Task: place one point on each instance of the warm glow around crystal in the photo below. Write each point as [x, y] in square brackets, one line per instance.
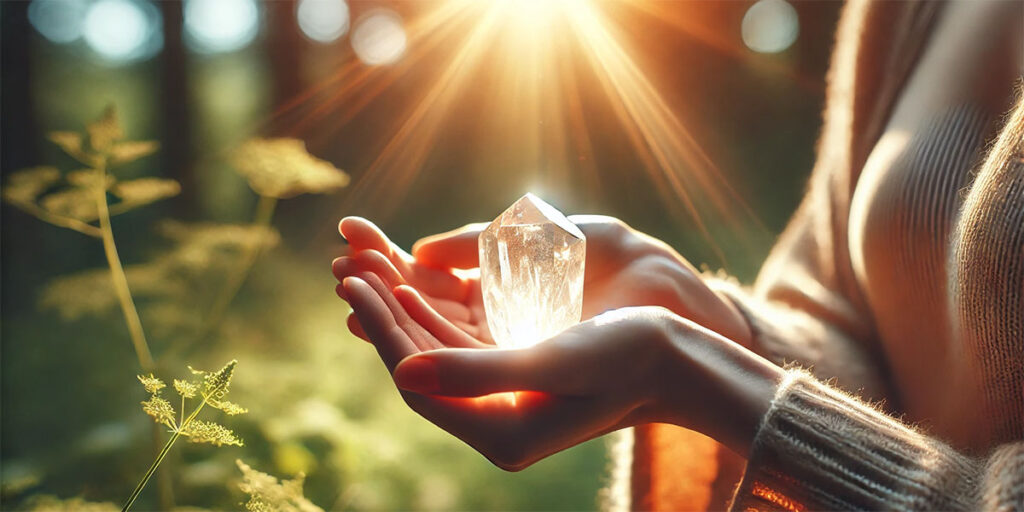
[531, 273]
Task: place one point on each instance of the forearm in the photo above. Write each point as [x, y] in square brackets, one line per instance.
[800, 330]
[716, 386]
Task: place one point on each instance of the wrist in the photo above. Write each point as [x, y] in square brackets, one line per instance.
[715, 386]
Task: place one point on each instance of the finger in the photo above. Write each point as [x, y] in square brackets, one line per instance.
[367, 261]
[476, 372]
[453, 311]
[392, 343]
[375, 262]
[353, 326]
[416, 332]
[471, 330]
[454, 249]
[426, 316]
[362, 234]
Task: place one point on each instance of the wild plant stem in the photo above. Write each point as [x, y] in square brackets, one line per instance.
[59, 220]
[264, 213]
[160, 456]
[120, 281]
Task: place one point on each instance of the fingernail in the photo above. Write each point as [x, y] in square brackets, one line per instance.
[418, 375]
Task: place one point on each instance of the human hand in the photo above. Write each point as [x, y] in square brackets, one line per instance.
[621, 368]
[624, 267]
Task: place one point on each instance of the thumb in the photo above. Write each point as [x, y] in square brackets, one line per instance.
[475, 372]
[454, 249]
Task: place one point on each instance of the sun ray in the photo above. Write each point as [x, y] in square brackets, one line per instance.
[527, 65]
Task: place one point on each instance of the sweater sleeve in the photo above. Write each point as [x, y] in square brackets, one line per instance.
[819, 448]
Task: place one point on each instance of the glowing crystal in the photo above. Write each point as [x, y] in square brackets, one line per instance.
[531, 273]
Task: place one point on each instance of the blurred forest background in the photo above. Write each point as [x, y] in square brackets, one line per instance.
[362, 83]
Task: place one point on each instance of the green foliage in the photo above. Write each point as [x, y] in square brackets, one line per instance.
[212, 387]
[267, 494]
[25, 186]
[171, 285]
[46, 503]
[75, 201]
[283, 168]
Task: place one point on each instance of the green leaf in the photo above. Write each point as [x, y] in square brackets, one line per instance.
[90, 292]
[161, 410]
[229, 408]
[283, 168]
[26, 185]
[124, 152]
[216, 384]
[89, 178]
[105, 130]
[72, 144]
[135, 193]
[152, 384]
[77, 203]
[199, 431]
[185, 388]
[48, 503]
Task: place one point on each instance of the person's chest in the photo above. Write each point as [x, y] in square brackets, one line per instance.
[908, 196]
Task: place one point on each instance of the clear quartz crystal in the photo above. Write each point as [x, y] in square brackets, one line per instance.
[531, 273]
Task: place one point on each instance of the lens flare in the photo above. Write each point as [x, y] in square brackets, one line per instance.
[59, 21]
[123, 31]
[220, 26]
[323, 21]
[534, 66]
[379, 38]
[770, 26]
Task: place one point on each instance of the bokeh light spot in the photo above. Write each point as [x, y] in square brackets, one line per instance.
[218, 26]
[770, 26]
[378, 38]
[322, 21]
[59, 21]
[123, 31]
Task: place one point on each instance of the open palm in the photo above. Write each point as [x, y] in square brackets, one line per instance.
[623, 268]
[513, 406]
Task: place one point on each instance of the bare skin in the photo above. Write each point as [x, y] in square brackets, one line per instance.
[640, 361]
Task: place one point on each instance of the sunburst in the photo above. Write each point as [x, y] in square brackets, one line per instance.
[537, 58]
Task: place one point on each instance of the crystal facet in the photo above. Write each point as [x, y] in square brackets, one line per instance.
[531, 273]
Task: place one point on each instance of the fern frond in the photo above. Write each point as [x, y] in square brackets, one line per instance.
[199, 431]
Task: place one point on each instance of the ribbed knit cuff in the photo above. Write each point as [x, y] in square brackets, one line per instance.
[818, 448]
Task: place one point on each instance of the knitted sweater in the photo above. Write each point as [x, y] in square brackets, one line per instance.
[935, 258]
[901, 277]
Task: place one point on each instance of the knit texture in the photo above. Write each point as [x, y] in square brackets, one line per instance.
[900, 277]
[820, 449]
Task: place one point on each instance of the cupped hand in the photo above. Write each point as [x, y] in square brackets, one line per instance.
[623, 268]
[517, 406]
